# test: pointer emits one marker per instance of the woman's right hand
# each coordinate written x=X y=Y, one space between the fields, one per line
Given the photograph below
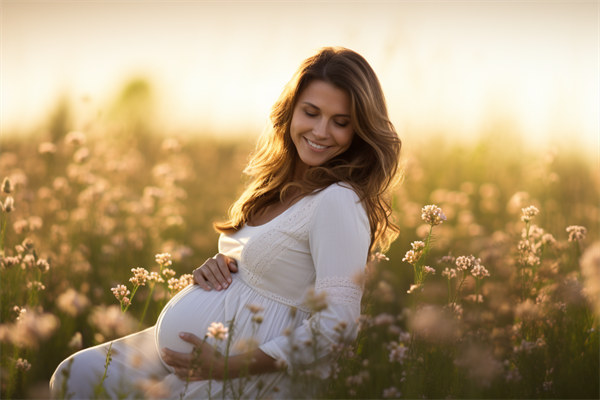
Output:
x=215 y=272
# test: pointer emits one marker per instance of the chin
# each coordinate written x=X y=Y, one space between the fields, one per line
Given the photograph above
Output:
x=314 y=163
x=315 y=160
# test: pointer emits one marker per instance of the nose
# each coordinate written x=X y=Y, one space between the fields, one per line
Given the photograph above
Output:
x=320 y=128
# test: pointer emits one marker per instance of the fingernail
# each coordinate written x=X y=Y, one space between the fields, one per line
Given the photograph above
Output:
x=181 y=335
x=229 y=280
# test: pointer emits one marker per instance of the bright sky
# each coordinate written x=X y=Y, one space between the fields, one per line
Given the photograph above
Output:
x=217 y=66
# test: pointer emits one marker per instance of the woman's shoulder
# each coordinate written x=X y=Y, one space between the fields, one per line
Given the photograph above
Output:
x=337 y=197
x=340 y=190
x=339 y=205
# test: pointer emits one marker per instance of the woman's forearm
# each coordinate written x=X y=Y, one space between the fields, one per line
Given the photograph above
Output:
x=255 y=362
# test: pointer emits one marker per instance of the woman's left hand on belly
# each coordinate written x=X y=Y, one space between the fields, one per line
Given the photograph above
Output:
x=203 y=363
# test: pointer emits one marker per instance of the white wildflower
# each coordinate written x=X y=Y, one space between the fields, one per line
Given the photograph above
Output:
x=433 y=215
x=217 y=331
x=576 y=233
x=528 y=213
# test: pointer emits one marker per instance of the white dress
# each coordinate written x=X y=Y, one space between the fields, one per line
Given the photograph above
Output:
x=319 y=244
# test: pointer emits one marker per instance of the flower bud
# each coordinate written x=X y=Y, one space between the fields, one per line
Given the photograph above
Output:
x=7 y=186
x=9 y=205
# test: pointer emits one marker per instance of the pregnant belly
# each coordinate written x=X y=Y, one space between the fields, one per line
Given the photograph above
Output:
x=191 y=310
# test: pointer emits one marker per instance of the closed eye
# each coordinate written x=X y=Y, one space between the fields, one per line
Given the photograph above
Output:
x=310 y=113
x=341 y=124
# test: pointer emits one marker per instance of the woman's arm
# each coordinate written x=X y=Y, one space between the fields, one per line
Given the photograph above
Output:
x=339 y=240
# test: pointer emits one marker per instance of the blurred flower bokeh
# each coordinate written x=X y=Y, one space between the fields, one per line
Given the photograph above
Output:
x=502 y=300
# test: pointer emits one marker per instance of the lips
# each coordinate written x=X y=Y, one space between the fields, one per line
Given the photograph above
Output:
x=315 y=146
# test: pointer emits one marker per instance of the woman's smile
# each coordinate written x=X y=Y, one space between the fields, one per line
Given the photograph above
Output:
x=315 y=146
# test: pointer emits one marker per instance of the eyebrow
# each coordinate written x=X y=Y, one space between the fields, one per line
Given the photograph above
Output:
x=336 y=115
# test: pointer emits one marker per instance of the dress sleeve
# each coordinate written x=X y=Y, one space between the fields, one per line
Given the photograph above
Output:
x=339 y=240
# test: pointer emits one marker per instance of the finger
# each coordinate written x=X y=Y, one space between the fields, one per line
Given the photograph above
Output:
x=200 y=280
x=232 y=265
x=223 y=265
x=181 y=373
x=207 y=274
x=176 y=359
x=185 y=374
x=207 y=271
x=190 y=338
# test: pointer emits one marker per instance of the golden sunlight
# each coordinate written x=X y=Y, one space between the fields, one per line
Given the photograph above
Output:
x=216 y=67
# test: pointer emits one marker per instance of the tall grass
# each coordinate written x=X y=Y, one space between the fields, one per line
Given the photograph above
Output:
x=89 y=206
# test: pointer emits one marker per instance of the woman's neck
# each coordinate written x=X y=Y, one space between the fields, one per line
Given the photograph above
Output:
x=299 y=169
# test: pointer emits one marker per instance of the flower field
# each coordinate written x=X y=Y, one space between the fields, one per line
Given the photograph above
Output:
x=492 y=289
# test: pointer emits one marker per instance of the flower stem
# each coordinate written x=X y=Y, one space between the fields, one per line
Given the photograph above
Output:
x=2 y=233
x=12 y=375
x=99 y=389
x=146 y=304
x=418 y=265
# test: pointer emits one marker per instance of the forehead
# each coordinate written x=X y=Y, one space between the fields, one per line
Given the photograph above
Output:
x=326 y=96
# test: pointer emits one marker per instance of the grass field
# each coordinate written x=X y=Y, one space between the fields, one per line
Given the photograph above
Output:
x=507 y=307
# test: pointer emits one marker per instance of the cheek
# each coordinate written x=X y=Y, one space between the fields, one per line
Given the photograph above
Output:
x=296 y=125
x=344 y=138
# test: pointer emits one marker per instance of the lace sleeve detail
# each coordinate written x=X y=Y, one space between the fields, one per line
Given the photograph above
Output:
x=340 y=290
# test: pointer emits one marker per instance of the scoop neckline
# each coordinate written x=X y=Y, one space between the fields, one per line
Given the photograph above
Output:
x=277 y=216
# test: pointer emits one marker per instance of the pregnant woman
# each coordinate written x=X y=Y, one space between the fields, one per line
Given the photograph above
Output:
x=286 y=280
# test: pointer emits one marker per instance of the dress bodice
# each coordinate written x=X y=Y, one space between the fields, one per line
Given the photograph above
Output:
x=274 y=258
x=277 y=258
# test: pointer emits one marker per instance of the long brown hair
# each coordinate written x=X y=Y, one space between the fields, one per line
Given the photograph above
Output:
x=369 y=166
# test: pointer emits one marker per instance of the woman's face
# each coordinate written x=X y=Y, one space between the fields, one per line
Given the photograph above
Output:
x=320 y=127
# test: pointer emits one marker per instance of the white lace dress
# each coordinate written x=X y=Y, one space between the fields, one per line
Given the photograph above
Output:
x=320 y=243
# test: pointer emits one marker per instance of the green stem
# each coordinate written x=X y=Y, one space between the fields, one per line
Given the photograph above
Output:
x=2 y=233
x=523 y=278
x=64 y=388
x=34 y=292
x=99 y=389
x=417 y=275
x=146 y=304
x=523 y=284
x=108 y=360
x=124 y=309
x=12 y=374
x=226 y=379
x=459 y=288
x=418 y=265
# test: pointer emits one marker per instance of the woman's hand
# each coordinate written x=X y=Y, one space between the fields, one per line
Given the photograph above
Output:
x=203 y=363
x=215 y=271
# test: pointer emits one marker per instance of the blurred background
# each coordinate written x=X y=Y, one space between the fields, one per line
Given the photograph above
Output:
x=125 y=127
x=216 y=67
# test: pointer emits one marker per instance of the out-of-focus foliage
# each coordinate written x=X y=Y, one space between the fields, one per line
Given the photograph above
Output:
x=89 y=205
